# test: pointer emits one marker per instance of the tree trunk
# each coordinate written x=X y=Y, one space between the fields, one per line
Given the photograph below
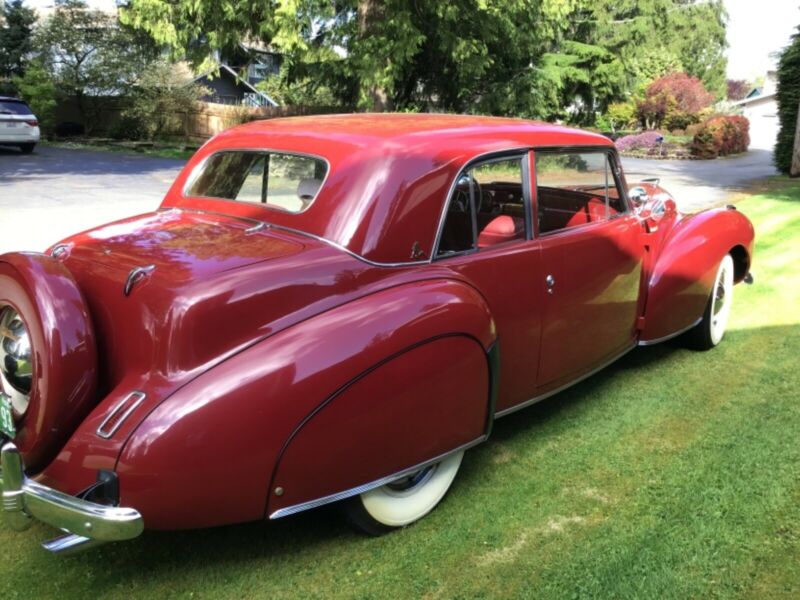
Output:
x=794 y=170
x=371 y=12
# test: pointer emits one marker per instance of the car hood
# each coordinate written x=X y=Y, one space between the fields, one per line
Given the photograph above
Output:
x=215 y=285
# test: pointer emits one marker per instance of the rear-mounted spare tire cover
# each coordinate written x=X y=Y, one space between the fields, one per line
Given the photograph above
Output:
x=64 y=353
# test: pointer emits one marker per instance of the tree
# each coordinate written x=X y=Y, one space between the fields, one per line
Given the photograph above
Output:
x=737 y=89
x=161 y=96
x=674 y=101
x=15 y=38
x=38 y=90
x=546 y=59
x=788 y=101
x=89 y=56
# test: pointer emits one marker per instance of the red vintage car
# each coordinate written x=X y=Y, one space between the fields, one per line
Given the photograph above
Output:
x=335 y=309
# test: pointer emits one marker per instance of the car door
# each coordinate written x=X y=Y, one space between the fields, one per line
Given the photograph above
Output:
x=592 y=264
x=486 y=237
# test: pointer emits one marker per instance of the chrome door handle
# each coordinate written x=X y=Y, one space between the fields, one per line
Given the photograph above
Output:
x=550 y=281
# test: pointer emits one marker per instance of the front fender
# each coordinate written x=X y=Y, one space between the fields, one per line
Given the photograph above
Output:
x=213 y=445
x=681 y=280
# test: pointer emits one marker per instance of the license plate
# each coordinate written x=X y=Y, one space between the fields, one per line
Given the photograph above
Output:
x=6 y=417
x=11 y=124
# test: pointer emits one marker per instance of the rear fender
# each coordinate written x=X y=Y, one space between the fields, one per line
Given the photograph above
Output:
x=230 y=425
x=683 y=275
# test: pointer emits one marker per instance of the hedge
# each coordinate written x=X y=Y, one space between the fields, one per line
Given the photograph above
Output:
x=720 y=136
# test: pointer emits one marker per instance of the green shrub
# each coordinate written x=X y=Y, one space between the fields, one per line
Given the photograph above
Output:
x=38 y=89
x=161 y=97
x=127 y=128
x=720 y=136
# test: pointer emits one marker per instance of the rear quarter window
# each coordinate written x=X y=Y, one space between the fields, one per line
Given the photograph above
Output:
x=287 y=182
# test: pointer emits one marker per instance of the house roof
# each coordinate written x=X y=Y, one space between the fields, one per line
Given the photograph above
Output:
x=225 y=68
x=753 y=99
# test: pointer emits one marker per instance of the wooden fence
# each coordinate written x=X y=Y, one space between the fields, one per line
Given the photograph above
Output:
x=200 y=122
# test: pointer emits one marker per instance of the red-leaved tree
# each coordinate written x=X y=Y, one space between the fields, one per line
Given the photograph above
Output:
x=674 y=101
x=737 y=89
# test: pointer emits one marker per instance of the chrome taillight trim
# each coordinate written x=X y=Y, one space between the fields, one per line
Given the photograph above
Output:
x=129 y=404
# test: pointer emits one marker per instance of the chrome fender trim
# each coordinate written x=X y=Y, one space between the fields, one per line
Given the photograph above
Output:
x=296 y=508
x=670 y=336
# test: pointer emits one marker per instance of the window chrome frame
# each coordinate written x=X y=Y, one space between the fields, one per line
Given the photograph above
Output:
x=522 y=154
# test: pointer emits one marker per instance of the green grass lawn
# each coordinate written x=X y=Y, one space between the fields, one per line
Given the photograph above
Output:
x=672 y=474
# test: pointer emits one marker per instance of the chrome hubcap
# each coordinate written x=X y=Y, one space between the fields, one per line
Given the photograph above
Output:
x=16 y=362
x=719 y=294
x=409 y=482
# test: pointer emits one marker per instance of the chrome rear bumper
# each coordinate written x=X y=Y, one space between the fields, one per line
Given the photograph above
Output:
x=86 y=523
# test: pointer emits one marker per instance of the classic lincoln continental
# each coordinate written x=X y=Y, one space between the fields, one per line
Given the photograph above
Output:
x=334 y=309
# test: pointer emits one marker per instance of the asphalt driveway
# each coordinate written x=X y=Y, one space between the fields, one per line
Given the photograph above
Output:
x=56 y=192
x=696 y=184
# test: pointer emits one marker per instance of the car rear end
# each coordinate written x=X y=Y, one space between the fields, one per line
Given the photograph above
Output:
x=18 y=125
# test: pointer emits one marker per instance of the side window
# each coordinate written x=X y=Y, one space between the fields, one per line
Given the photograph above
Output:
x=575 y=188
x=487 y=207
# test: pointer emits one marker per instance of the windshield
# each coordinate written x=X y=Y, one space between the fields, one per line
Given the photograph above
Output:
x=14 y=108
x=288 y=182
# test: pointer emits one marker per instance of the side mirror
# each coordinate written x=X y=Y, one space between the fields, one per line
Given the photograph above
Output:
x=638 y=196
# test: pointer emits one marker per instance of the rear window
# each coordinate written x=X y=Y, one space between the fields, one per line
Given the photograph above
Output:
x=14 y=108
x=288 y=182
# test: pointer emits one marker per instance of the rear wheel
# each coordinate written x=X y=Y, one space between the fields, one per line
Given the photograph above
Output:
x=405 y=500
x=27 y=148
x=710 y=331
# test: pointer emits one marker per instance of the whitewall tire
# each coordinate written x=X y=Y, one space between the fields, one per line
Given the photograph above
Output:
x=710 y=331
x=405 y=500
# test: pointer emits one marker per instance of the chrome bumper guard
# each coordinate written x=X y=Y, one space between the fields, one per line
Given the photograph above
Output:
x=86 y=523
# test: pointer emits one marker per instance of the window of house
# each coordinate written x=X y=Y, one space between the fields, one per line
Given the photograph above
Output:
x=285 y=181
x=486 y=208
x=574 y=189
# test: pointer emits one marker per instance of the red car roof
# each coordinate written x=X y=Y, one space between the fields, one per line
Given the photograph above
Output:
x=389 y=173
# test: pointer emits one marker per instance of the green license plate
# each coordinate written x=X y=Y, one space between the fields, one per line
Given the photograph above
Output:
x=6 y=417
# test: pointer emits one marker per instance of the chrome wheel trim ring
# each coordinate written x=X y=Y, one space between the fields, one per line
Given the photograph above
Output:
x=16 y=360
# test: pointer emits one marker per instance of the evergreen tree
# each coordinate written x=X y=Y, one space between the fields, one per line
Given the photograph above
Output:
x=16 y=25
x=788 y=101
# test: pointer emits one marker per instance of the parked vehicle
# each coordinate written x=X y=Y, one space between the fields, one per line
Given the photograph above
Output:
x=335 y=309
x=18 y=125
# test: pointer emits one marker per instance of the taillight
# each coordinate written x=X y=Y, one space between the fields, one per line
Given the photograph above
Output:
x=32 y=122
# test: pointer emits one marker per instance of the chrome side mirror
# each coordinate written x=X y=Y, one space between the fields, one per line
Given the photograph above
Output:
x=638 y=196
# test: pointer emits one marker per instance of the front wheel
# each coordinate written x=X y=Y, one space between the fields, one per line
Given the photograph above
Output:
x=404 y=500
x=709 y=332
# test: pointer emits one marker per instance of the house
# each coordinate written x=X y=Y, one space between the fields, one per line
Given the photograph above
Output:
x=234 y=81
x=760 y=107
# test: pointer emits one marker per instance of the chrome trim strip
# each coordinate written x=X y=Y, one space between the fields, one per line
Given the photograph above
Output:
x=296 y=508
x=106 y=434
x=257 y=227
x=301 y=233
x=25 y=500
x=535 y=399
x=670 y=336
